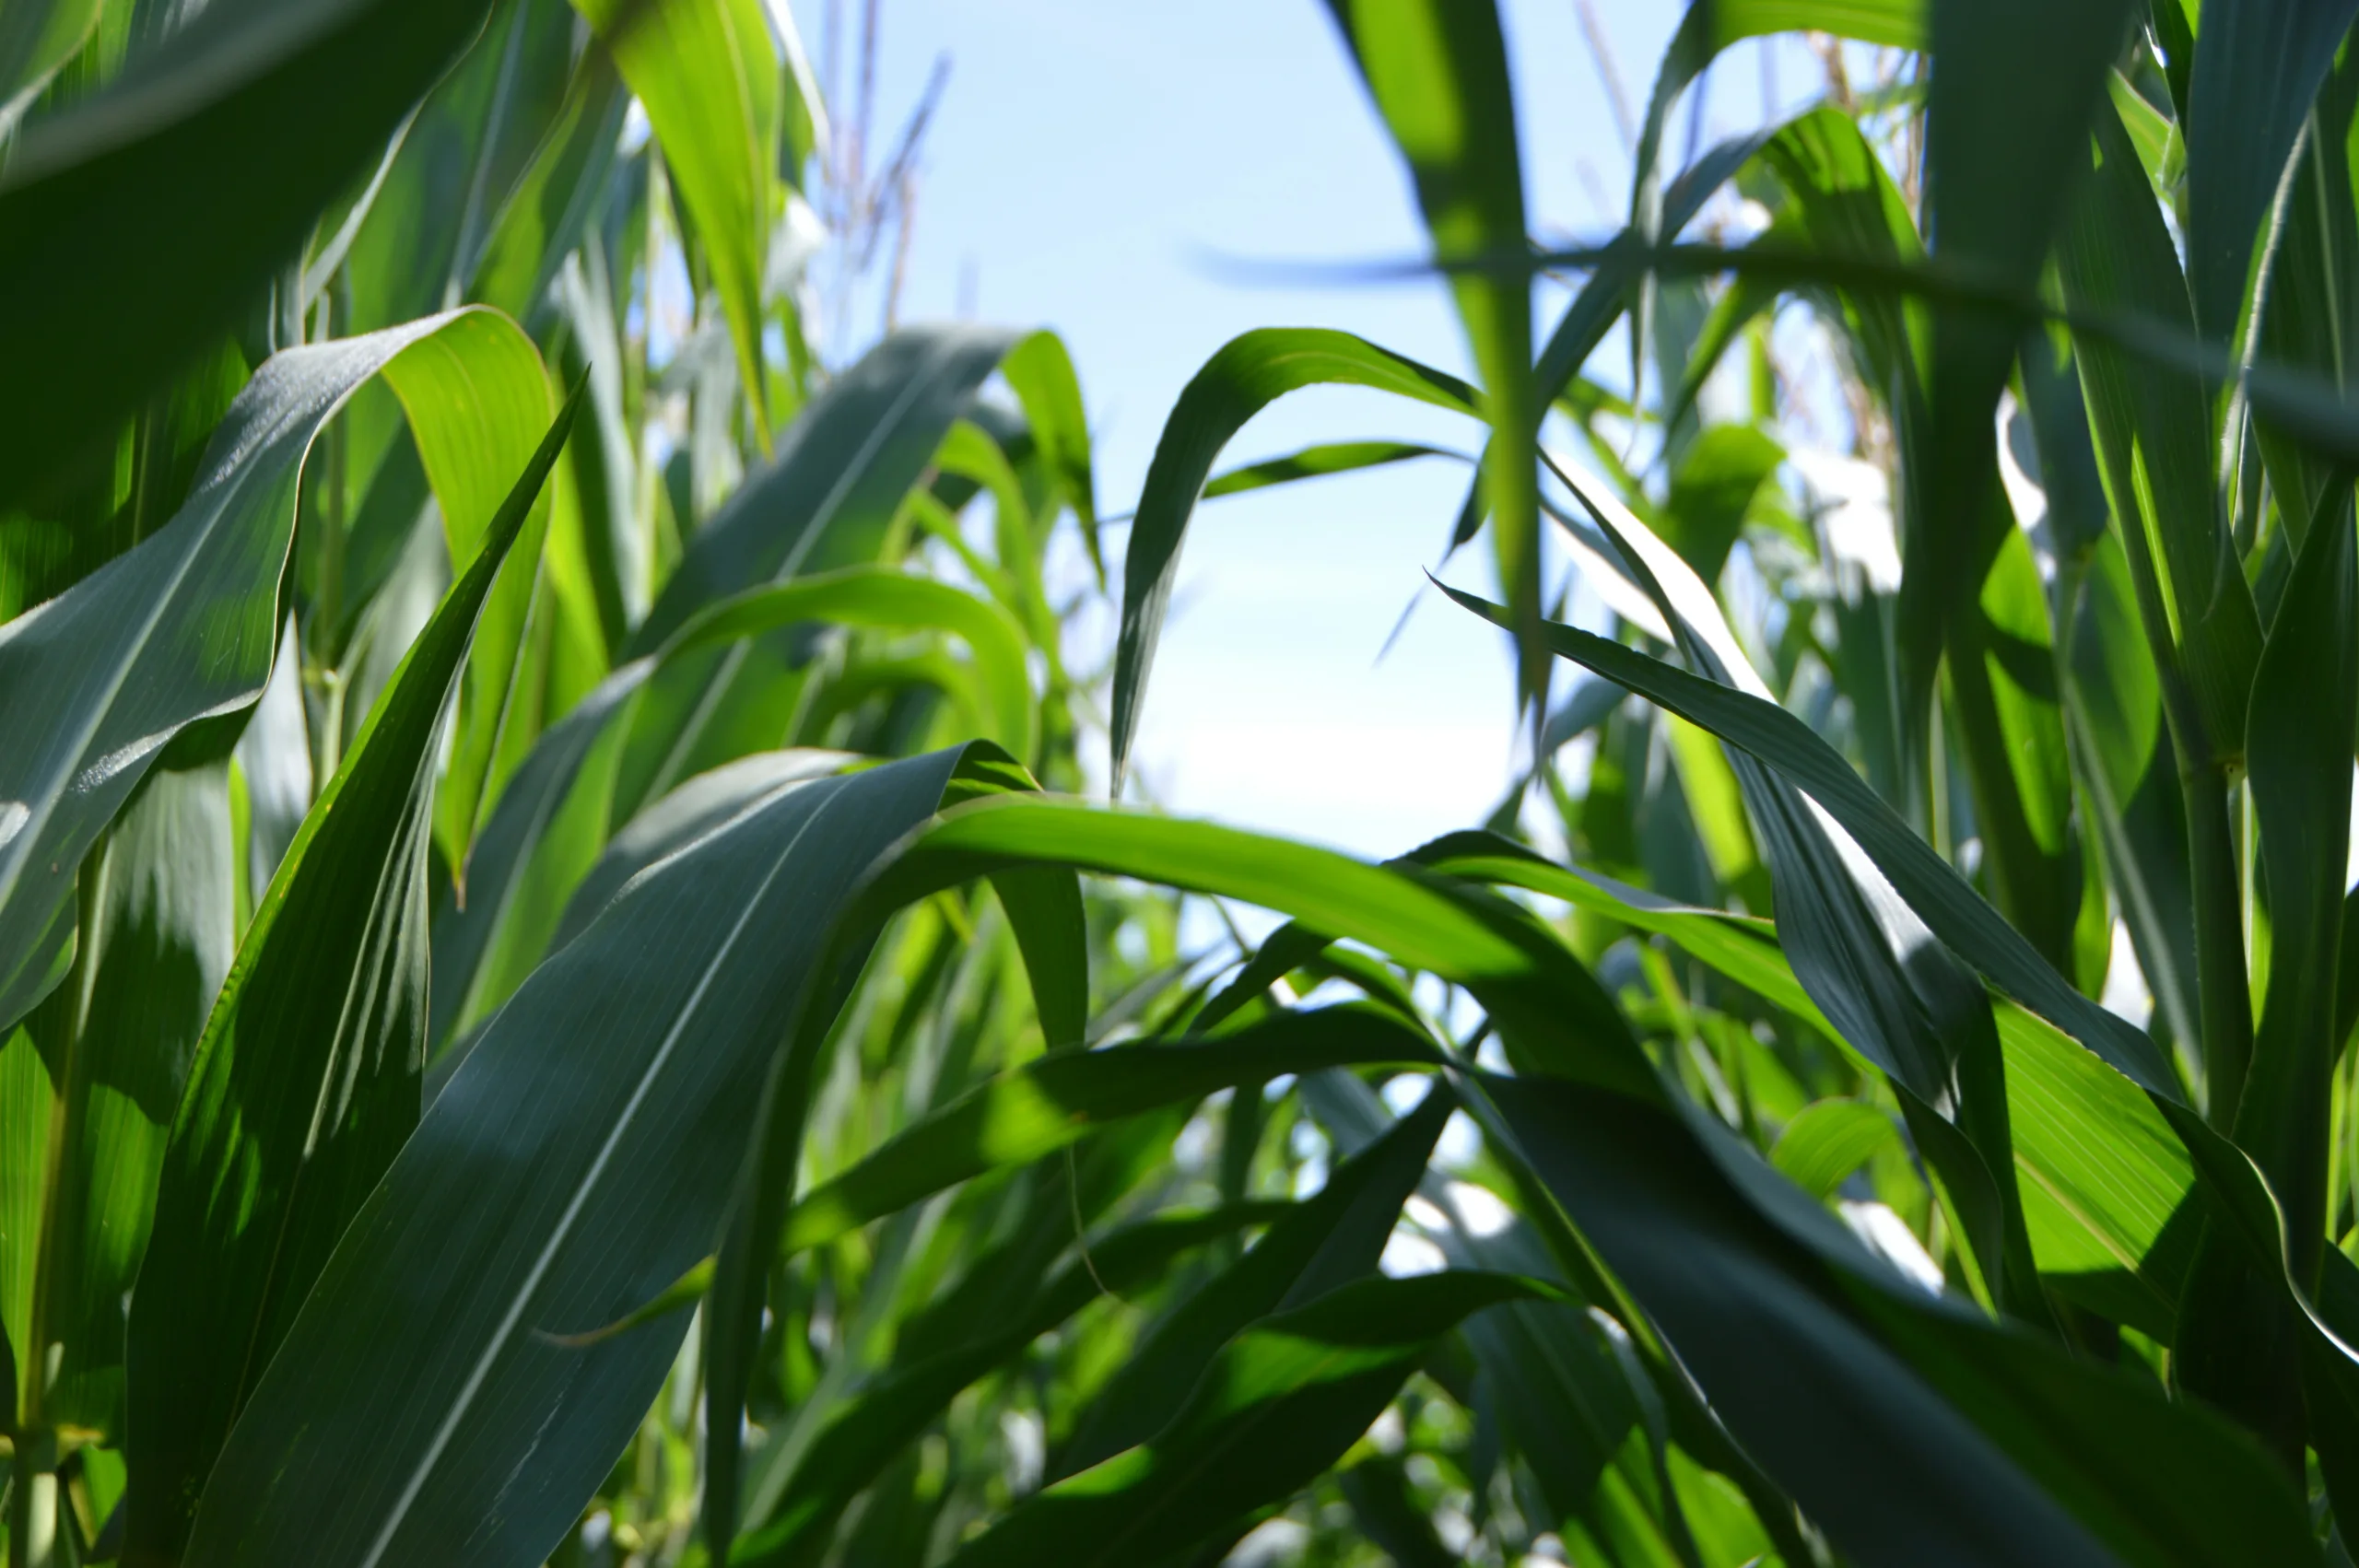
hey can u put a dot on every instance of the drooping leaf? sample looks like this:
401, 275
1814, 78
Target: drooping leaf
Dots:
306, 1082
1249, 373
2028, 1439
1930, 884
183, 626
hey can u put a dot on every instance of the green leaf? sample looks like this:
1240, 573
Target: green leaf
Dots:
708, 801
1569, 1391
2239, 1340
2107, 1183
413, 239
1928, 1429
578, 1160
2151, 423
36, 38
1931, 887
2001, 695
2297, 741
841, 472
183, 625
1892, 991
484, 948
1023, 1114
541, 221
1828, 1141
1280, 1404
861, 1438
2015, 84
484, 365
1437, 71
157, 935
305, 1084
2257, 67
1602, 300
540, 840
2114, 711
880, 596
1324, 1245
1039, 371
219, 152
1708, 27
1723, 470
710, 79
1317, 462
1249, 373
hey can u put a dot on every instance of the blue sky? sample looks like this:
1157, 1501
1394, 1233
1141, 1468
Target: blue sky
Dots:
1098, 166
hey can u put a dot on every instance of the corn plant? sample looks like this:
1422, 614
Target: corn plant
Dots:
564, 1003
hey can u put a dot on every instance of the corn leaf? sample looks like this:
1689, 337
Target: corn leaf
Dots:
1247, 374
710, 79
1278, 1406
306, 1082
492, 1254
220, 151
183, 626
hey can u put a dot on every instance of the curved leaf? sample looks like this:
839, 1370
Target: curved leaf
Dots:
1925, 1427
1828, 1141
1931, 886
1247, 374
306, 1081
1317, 462
183, 625
879, 596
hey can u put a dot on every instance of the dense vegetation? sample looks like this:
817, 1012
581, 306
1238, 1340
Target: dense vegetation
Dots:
565, 1002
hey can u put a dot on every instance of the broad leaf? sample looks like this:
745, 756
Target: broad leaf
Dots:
579, 1159
183, 626
306, 1082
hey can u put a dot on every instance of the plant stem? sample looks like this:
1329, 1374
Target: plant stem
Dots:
2222, 994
